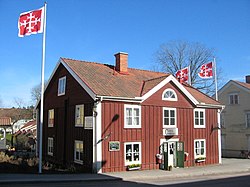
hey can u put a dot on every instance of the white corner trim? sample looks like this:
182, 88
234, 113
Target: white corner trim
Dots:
163, 83
98, 136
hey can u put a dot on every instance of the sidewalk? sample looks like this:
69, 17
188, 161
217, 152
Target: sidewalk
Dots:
228, 166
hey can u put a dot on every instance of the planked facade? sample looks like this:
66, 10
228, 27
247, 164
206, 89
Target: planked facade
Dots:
104, 96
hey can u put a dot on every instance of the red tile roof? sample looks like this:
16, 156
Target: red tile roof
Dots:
5, 121
103, 80
201, 97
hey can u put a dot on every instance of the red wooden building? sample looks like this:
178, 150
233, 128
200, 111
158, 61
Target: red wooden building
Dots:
104, 118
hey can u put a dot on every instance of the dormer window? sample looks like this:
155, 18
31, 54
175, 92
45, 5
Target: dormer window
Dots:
169, 95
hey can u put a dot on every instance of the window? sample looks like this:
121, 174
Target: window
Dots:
199, 118
169, 95
51, 118
78, 153
132, 153
199, 148
132, 116
169, 117
61, 86
248, 120
50, 146
79, 116
233, 99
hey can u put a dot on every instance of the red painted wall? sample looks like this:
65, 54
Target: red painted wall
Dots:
150, 132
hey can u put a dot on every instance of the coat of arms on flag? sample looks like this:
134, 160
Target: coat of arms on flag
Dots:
31, 22
182, 74
206, 70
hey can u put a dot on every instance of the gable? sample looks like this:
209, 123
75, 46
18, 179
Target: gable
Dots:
232, 85
156, 99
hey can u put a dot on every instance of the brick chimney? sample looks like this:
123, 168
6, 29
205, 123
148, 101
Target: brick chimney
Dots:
248, 79
121, 63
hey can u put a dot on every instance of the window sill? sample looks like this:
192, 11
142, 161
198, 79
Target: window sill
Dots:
132, 127
78, 162
199, 127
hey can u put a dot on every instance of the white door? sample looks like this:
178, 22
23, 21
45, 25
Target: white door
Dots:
171, 154
171, 150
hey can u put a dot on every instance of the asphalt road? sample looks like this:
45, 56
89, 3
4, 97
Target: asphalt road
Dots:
242, 180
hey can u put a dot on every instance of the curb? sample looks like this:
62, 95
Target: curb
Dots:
41, 181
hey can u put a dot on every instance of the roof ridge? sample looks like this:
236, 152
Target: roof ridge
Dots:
99, 63
81, 60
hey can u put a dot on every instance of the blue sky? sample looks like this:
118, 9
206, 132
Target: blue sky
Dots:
94, 30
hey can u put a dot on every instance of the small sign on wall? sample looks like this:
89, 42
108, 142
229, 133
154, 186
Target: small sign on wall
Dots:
114, 146
88, 122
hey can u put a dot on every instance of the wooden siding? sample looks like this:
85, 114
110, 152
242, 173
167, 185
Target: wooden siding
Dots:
64, 131
151, 133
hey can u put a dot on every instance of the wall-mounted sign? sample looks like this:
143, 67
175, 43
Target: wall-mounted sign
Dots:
88, 122
170, 132
114, 146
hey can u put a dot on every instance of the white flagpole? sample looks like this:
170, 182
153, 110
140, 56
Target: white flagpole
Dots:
42, 92
216, 97
215, 81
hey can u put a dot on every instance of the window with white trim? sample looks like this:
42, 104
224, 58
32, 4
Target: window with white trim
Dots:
199, 148
169, 117
169, 95
132, 116
61, 86
132, 152
50, 146
233, 98
79, 115
199, 118
78, 152
51, 118
247, 119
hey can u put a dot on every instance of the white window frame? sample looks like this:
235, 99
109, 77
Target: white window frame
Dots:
204, 118
61, 86
51, 116
50, 146
132, 153
247, 117
80, 116
163, 117
195, 148
169, 99
233, 95
78, 152
133, 107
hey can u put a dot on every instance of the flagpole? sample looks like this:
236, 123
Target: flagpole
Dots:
42, 92
219, 129
215, 81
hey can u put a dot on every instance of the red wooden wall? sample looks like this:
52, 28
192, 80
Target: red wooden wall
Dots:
150, 132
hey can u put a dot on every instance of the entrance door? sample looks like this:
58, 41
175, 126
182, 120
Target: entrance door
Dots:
171, 154
168, 151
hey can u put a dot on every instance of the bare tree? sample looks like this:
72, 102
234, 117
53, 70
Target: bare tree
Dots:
36, 92
176, 55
